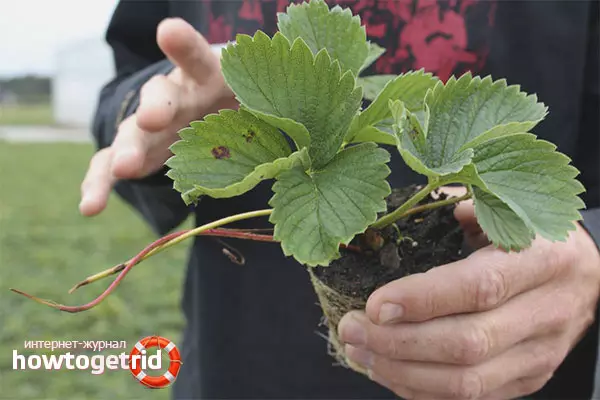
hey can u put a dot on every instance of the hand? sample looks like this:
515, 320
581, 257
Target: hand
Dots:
495, 325
167, 103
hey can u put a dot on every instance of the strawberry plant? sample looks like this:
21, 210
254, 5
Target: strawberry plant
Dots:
301, 123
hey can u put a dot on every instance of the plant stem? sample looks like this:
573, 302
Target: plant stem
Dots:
407, 208
159, 245
211, 225
397, 213
436, 204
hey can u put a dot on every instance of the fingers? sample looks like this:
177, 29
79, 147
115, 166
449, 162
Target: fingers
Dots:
464, 339
159, 103
509, 372
130, 148
465, 215
482, 281
97, 184
187, 49
124, 159
519, 387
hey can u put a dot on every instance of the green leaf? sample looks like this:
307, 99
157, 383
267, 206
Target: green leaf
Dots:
375, 134
410, 88
304, 95
321, 28
503, 227
469, 111
534, 180
373, 84
413, 147
375, 51
315, 212
228, 154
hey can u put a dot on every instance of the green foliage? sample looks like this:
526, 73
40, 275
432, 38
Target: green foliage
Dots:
373, 84
474, 131
316, 211
375, 51
290, 88
534, 180
502, 225
408, 88
336, 30
301, 84
230, 153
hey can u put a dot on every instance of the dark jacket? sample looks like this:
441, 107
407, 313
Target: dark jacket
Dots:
251, 329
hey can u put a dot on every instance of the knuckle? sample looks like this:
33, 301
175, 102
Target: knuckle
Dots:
156, 79
561, 318
431, 301
472, 346
467, 385
491, 289
557, 318
558, 257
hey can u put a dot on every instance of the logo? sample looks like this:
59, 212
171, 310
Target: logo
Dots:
138, 362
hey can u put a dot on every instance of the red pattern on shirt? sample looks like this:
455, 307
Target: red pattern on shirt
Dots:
429, 34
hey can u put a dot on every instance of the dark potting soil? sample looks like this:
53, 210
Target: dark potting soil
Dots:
429, 239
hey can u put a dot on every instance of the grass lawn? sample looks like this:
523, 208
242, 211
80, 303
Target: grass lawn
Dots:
46, 246
26, 114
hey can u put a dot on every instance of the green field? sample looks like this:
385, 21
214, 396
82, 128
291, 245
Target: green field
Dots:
26, 114
46, 246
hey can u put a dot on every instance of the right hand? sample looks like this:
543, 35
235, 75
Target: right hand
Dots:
168, 103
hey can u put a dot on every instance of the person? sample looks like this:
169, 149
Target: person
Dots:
494, 325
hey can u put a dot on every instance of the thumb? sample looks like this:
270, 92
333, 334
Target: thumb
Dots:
187, 49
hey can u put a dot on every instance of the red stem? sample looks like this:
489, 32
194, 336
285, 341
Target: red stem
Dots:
113, 285
222, 232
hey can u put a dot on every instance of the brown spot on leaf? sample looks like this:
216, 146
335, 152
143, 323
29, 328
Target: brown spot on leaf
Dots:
220, 152
249, 135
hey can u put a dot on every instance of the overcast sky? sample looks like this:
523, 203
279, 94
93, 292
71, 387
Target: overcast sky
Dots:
32, 31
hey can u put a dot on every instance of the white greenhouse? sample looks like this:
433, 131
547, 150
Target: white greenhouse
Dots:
82, 68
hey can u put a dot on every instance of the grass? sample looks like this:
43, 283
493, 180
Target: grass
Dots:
26, 114
46, 246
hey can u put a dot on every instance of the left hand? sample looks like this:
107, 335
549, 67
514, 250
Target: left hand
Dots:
495, 325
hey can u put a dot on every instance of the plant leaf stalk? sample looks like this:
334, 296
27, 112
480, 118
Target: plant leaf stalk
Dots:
408, 208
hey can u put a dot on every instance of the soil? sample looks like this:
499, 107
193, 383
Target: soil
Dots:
429, 239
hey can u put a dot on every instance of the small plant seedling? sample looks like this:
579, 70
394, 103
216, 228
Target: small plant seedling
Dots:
301, 123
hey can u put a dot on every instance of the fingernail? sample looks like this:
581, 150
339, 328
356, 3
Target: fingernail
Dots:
390, 312
360, 356
352, 331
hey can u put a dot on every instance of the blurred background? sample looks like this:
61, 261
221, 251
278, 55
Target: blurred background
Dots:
53, 62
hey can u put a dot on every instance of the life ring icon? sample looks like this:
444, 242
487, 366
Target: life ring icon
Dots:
136, 365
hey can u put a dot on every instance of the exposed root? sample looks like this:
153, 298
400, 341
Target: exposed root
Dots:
155, 247
335, 305
113, 285
210, 229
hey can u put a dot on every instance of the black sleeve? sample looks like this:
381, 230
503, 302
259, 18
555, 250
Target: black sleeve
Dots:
590, 127
591, 223
132, 37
